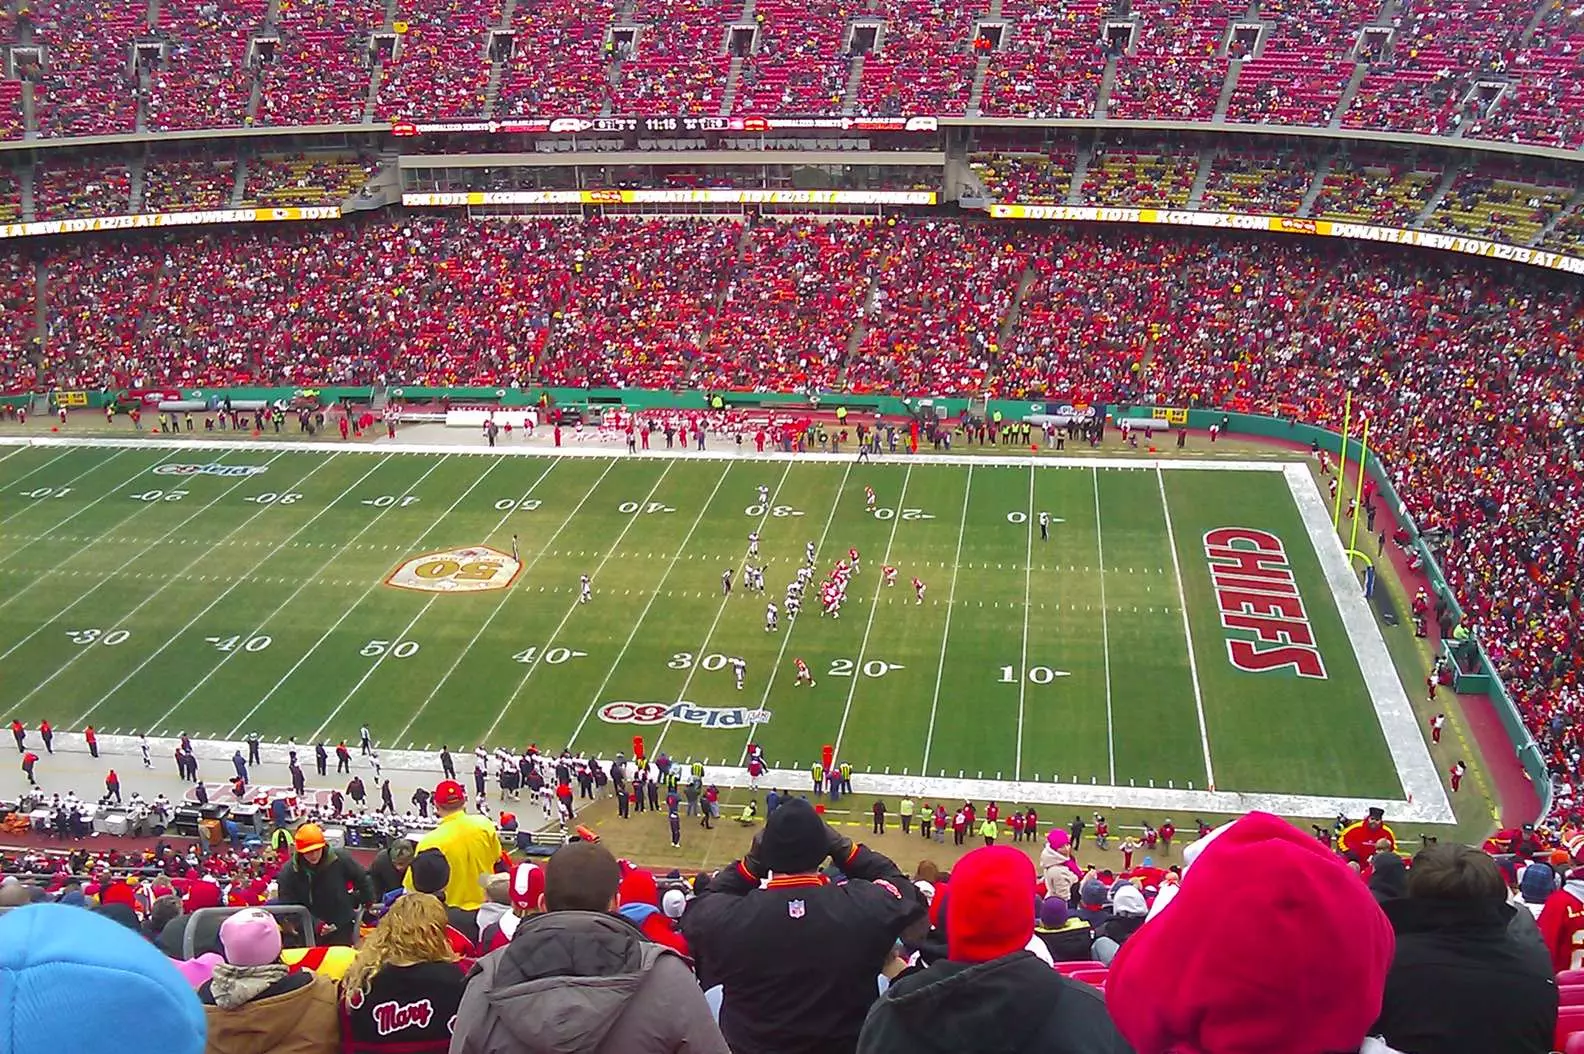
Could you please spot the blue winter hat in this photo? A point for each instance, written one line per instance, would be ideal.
(51, 955)
(1538, 883)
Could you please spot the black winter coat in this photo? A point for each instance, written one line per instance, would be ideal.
(1461, 984)
(324, 890)
(1012, 1005)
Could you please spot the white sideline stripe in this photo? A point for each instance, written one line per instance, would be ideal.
(550, 640)
(1105, 630)
(301, 585)
(786, 638)
(951, 596)
(267, 696)
(874, 606)
(146, 600)
(703, 648)
(1028, 581)
(382, 656)
(1042, 460)
(1182, 602)
(505, 593)
(237, 581)
(653, 593)
(1405, 740)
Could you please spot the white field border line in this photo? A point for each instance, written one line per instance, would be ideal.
(1052, 460)
(506, 594)
(642, 615)
(346, 612)
(1028, 581)
(159, 721)
(84, 651)
(951, 597)
(1105, 630)
(703, 649)
(874, 606)
(786, 638)
(379, 660)
(550, 640)
(79, 598)
(1404, 738)
(1193, 662)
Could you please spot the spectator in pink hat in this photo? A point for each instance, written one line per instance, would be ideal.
(255, 1005)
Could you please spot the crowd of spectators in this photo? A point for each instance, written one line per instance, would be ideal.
(925, 62)
(1176, 67)
(800, 63)
(440, 69)
(320, 70)
(88, 86)
(678, 63)
(204, 79)
(1052, 65)
(559, 61)
(304, 179)
(1385, 191)
(68, 191)
(1480, 201)
(10, 197)
(1134, 178)
(175, 186)
(1042, 180)
(1273, 183)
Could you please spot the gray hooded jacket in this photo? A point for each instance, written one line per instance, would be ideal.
(579, 982)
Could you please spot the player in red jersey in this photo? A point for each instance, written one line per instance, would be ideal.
(852, 554)
(889, 574)
(918, 589)
(803, 675)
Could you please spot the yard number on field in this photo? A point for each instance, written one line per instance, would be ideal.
(522, 505)
(872, 668)
(160, 495)
(1037, 674)
(385, 501)
(269, 497)
(884, 513)
(97, 636)
(238, 643)
(402, 649)
(47, 492)
(772, 510)
(631, 507)
(554, 656)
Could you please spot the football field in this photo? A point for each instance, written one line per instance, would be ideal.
(168, 587)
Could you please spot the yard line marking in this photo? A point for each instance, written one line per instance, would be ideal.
(346, 612)
(704, 648)
(239, 580)
(380, 659)
(1193, 663)
(146, 600)
(550, 640)
(1105, 629)
(47, 464)
(1028, 575)
(874, 606)
(951, 595)
(507, 593)
(600, 691)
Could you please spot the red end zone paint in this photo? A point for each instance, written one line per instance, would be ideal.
(1258, 598)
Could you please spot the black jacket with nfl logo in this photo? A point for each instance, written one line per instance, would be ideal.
(799, 958)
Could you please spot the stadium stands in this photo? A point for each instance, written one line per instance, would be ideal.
(10, 197)
(1375, 190)
(678, 65)
(1051, 67)
(325, 179)
(440, 69)
(174, 186)
(1178, 64)
(65, 192)
(924, 63)
(87, 87)
(203, 80)
(1482, 202)
(1263, 183)
(320, 71)
(558, 62)
(801, 63)
(1129, 177)
(1037, 180)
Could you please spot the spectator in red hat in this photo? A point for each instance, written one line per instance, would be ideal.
(470, 843)
(1269, 945)
(1461, 982)
(639, 897)
(990, 984)
(525, 890)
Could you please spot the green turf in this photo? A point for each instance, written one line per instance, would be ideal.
(1039, 660)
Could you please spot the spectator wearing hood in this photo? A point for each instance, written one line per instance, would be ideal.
(1459, 982)
(389, 869)
(578, 979)
(77, 982)
(639, 903)
(1093, 906)
(1068, 937)
(1268, 945)
(798, 958)
(331, 885)
(255, 1005)
(1057, 867)
(1128, 911)
(990, 993)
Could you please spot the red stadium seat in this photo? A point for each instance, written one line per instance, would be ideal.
(1574, 1044)
(1570, 977)
(1571, 994)
(1570, 1019)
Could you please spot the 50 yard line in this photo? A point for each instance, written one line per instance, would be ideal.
(1105, 629)
(1182, 601)
(951, 596)
(874, 605)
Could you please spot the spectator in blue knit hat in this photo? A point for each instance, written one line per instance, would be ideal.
(75, 981)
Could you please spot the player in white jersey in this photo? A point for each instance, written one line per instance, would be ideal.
(726, 582)
(808, 553)
(793, 606)
(888, 573)
(869, 498)
(852, 554)
(803, 675)
(764, 494)
(587, 593)
(753, 543)
(772, 617)
(804, 575)
(918, 589)
(739, 670)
